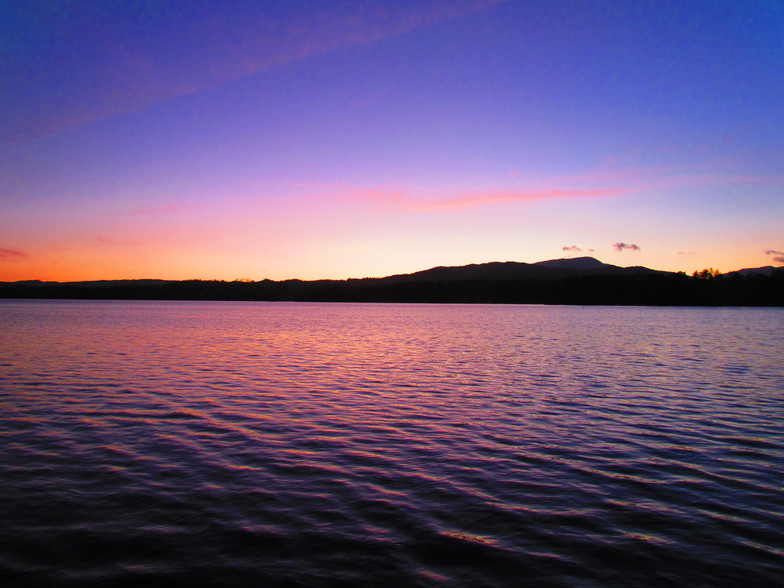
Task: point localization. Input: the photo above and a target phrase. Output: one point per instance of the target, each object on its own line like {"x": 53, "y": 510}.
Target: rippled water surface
{"x": 264, "y": 444}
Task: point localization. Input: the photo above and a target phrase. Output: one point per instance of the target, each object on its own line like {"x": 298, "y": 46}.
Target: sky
{"x": 315, "y": 139}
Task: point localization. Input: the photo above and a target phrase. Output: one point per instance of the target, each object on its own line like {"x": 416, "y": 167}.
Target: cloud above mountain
{"x": 778, "y": 256}
{"x": 620, "y": 246}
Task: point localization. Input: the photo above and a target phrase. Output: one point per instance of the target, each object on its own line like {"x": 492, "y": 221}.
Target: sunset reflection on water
{"x": 418, "y": 444}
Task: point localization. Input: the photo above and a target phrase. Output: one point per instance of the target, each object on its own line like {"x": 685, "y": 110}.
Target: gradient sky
{"x": 349, "y": 138}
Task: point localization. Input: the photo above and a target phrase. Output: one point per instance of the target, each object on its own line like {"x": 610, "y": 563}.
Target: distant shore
{"x": 655, "y": 289}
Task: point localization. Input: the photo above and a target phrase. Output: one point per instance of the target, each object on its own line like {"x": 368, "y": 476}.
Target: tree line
{"x": 670, "y": 289}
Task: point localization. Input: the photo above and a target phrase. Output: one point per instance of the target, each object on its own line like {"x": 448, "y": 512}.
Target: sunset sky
{"x": 313, "y": 139}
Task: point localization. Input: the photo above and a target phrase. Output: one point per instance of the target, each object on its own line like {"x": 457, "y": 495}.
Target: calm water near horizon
{"x": 283, "y": 444}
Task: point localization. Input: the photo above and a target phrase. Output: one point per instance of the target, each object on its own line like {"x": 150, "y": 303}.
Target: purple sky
{"x": 312, "y": 139}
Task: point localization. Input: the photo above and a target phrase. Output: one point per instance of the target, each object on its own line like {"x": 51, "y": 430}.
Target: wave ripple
{"x": 237, "y": 444}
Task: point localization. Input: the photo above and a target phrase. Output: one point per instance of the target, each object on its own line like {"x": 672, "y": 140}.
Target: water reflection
{"x": 413, "y": 444}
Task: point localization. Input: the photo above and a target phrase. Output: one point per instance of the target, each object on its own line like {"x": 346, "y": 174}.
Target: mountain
{"x": 494, "y": 271}
{"x": 756, "y": 271}
{"x": 515, "y": 270}
{"x": 578, "y": 263}
{"x": 580, "y": 281}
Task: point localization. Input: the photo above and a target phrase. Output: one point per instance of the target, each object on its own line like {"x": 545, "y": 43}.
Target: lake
{"x": 282, "y": 444}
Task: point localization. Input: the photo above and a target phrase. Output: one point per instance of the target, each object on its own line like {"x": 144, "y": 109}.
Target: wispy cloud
{"x": 96, "y": 65}
{"x": 115, "y": 242}
{"x": 401, "y": 200}
{"x": 475, "y": 199}
{"x": 13, "y": 255}
{"x": 161, "y": 209}
{"x": 690, "y": 252}
{"x": 653, "y": 177}
{"x": 778, "y": 256}
{"x": 626, "y": 246}
{"x": 572, "y": 248}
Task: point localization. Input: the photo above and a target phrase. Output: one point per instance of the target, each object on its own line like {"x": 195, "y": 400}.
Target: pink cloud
{"x": 12, "y": 255}
{"x": 161, "y": 209}
{"x": 382, "y": 197}
{"x": 489, "y": 197}
{"x": 400, "y": 200}
{"x": 653, "y": 177}
{"x": 626, "y": 247}
{"x": 778, "y": 256}
{"x": 115, "y": 242}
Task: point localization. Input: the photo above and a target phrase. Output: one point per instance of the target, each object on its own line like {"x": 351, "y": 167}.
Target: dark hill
{"x": 514, "y": 270}
{"x": 756, "y": 271}
{"x": 580, "y": 281}
{"x": 496, "y": 270}
{"x": 577, "y": 263}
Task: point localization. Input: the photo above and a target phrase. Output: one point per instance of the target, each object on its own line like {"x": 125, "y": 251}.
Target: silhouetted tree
{"x": 707, "y": 274}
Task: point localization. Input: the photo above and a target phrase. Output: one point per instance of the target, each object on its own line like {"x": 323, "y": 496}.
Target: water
{"x": 264, "y": 444}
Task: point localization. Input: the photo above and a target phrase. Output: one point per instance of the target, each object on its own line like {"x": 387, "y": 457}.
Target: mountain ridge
{"x": 492, "y": 270}
{"x": 513, "y": 270}
{"x": 581, "y": 281}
